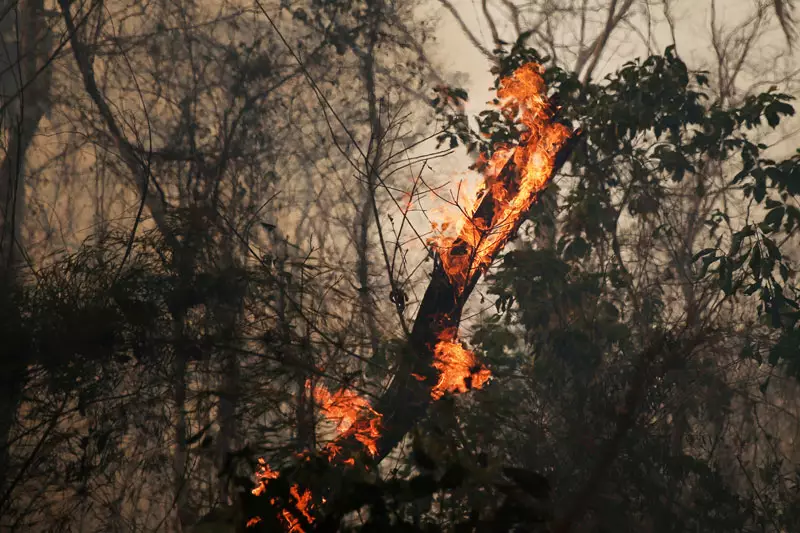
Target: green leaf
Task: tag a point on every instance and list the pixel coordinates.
(725, 276)
(772, 249)
(736, 244)
(703, 252)
(755, 262)
(784, 270)
(774, 218)
(774, 111)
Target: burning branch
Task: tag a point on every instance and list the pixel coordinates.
(513, 176)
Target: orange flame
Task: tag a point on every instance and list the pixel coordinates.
(263, 474)
(303, 501)
(354, 416)
(292, 523)
(513, 175)
(459, 370)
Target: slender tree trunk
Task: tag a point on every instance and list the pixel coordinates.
(230, 309)
(179, 397)
(26, 45)
(362, 269)
(184, 263)
(367, 213)
(305, 434)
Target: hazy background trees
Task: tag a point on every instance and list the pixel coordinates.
(203, 209)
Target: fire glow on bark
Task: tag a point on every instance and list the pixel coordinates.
(512, 177)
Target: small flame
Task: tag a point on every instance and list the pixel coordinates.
(459, 370)
(303, 502)
(353, 414)
(263, 474)
(347, 409)
(292, 523)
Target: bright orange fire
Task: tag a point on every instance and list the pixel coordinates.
(459, 370)
(263, 474)
(302, 501)
(354, 416)
(303, 504)
(513, 175)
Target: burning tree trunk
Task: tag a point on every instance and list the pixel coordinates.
(514, 175)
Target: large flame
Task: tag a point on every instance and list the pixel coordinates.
(513, 175)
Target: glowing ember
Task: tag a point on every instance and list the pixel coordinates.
(513, 175)
(292, 523)
(459, 370)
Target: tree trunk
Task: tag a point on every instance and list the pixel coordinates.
(26, 43)
(230, 309)
(179, 397)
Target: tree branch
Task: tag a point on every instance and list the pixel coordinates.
(137, 167)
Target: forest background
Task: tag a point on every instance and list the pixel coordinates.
(210, 209)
